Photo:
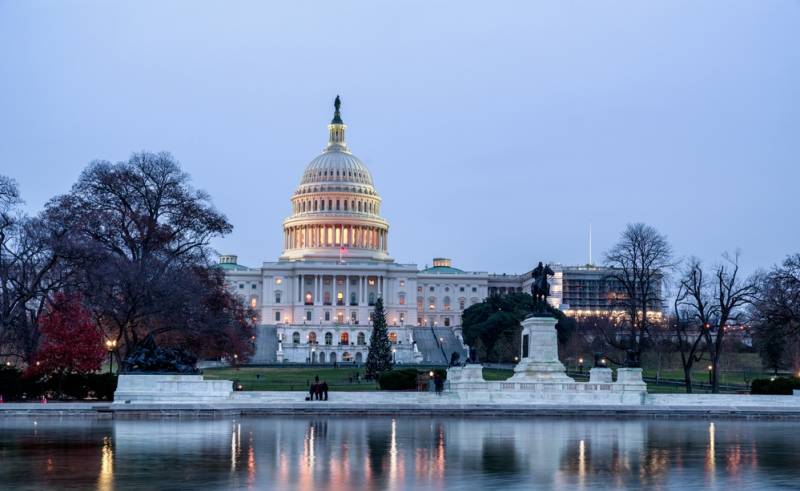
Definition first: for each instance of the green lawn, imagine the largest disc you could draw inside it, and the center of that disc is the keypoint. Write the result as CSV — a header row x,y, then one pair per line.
x,y
345,379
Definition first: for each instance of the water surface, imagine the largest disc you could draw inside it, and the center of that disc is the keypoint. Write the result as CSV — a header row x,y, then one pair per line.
x,y
402,453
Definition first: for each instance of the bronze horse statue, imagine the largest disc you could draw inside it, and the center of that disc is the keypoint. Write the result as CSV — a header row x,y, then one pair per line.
x,y
540,289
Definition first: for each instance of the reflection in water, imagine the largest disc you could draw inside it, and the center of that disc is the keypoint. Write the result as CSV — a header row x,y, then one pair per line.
x,y
105,481
397,453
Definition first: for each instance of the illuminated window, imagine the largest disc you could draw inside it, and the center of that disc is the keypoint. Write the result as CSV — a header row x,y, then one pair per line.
x,y
253,303
339,298
402,299
402,284
402,317
393,337
278,281
447,303
309,299
312,338
432,303
344,338
371,282
420,300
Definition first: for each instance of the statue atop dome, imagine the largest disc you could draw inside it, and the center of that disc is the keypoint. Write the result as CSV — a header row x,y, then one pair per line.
x,y
337,118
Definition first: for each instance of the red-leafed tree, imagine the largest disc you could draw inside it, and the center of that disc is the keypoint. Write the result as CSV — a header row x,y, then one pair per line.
x,y
70,341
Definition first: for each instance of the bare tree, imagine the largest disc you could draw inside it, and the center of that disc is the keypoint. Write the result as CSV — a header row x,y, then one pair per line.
x,y
30,271
733,293
639,263
775,316
139,236
694,311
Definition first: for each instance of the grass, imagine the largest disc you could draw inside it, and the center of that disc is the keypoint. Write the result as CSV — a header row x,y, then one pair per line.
x,y
345,379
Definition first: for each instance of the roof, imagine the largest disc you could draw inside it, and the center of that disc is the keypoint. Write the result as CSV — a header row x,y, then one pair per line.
x,y
230,267
442,270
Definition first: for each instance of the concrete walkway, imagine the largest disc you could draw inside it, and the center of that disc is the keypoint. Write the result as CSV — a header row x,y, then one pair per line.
x,y
416,403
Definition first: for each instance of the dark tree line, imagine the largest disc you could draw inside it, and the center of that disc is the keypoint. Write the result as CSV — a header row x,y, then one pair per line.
x,y
133,239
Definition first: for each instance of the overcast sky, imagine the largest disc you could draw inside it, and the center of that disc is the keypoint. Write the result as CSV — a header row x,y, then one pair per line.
x,y
496,132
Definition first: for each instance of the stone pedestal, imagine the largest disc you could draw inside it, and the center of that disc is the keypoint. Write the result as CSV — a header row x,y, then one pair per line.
x,y
631,377
539,361
143,388
600,375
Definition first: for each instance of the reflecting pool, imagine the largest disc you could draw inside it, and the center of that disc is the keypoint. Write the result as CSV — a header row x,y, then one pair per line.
x,y
372,453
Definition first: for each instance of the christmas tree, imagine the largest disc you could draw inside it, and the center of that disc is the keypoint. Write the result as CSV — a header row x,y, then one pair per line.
x,y
379,358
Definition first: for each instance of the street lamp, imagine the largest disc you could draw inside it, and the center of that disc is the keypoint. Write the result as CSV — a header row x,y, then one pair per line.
x,y
111,345
580,365
710,371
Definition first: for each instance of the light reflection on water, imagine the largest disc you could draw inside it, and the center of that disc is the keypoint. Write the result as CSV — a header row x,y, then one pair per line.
x,y
376,453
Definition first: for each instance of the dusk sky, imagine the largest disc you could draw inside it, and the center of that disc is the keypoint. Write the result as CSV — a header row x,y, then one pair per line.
x,y
496,132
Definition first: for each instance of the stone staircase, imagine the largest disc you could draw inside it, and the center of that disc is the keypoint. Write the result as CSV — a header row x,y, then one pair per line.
x,y
437,345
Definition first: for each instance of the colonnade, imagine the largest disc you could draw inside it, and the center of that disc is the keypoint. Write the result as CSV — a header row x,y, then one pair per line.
x,y
365,284
358,236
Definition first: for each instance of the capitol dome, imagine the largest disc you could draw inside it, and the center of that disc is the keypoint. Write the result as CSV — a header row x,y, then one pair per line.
x,y
336,209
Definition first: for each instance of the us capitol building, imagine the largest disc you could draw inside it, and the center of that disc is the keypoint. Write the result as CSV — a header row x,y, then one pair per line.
x,y
316,301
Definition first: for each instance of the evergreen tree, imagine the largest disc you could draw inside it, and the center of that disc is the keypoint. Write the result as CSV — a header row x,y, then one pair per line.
x,y
379,358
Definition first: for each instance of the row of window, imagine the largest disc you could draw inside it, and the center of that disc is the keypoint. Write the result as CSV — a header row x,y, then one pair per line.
x,y
344,338
319,205
339,317
447,289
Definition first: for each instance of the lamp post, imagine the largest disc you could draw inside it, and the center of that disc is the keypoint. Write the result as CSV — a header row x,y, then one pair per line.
x,y
710,378
111,345
580,365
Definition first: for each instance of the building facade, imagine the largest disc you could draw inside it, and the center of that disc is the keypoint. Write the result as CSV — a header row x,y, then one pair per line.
x,y
315,302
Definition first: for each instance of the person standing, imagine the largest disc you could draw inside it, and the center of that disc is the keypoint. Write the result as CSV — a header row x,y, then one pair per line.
x,y
324,390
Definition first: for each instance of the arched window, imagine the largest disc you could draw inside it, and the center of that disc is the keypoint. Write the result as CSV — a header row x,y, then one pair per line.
x,y
393,337
328,339
359,357
333,358
312,338
322,357
361,340
447,303
344,338
296,337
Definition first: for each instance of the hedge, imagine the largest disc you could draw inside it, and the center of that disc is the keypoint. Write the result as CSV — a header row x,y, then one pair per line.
x,y
779,386
15,386
405,378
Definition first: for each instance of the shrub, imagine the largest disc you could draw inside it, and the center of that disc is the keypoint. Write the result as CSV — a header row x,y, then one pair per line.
x,y
403,379
779,386
15,386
